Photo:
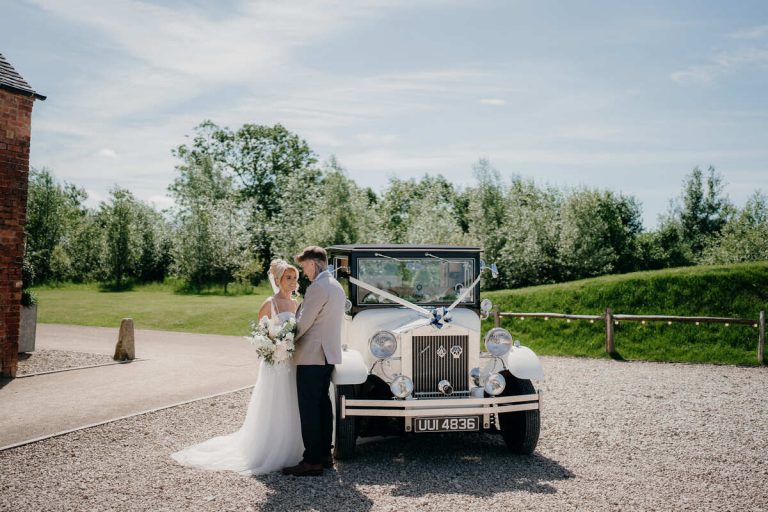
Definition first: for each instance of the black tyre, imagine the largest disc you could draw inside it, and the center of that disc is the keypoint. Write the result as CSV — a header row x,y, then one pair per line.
x,y
520,430
345,429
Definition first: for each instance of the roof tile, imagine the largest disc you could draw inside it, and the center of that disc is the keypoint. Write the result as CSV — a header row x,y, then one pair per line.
x,y
12,80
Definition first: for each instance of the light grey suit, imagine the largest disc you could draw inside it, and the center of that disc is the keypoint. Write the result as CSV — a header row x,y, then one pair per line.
x,y
318,336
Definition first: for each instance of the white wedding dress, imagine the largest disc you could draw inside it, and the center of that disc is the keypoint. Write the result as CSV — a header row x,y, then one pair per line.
x,y
270,437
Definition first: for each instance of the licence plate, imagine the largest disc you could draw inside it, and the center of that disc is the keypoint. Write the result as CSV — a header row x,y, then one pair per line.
x,y
447,424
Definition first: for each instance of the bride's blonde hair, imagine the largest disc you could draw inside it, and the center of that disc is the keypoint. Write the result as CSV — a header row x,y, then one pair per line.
x,y
278,267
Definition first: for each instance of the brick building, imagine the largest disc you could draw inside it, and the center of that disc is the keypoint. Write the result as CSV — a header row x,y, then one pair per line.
x,y
16,99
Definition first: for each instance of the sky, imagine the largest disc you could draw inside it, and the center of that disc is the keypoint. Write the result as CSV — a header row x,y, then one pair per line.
x,y
625,96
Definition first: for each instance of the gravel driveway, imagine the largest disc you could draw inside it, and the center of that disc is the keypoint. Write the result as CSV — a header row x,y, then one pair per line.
x,y
615,436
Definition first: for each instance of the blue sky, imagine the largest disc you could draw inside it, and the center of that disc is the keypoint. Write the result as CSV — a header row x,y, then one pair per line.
x,y
618,95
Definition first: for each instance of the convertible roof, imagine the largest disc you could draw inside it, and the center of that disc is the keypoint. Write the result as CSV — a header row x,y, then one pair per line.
x,y
403,247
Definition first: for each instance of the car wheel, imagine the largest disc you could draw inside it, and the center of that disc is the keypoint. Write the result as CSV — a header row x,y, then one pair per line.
x,y
345,429
520,429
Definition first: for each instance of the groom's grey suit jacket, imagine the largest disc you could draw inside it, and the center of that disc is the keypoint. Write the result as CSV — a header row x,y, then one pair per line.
x,y
318,335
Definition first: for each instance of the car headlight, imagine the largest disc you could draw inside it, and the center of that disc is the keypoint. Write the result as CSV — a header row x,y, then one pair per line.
x,y
382,345
498,341
495,384
401,387
474,375
485,308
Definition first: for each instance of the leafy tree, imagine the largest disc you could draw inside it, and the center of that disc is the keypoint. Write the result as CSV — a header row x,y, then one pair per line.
x,y
343,212
154,244
744,237
87,249
435,220
599,232
212,244
487,213
123,245
53,210
261,162
704,209
531,234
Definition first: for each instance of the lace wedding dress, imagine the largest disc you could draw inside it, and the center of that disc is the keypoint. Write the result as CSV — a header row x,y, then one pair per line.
x,y
270,437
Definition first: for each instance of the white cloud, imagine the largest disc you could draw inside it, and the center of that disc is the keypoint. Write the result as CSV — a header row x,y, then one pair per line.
x,y
751,33
107,153
720,64
493,101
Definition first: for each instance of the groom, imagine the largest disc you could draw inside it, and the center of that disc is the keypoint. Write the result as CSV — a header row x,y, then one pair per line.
x,y
318,348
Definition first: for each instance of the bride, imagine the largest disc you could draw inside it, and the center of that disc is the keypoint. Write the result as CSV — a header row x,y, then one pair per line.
x,y
270,437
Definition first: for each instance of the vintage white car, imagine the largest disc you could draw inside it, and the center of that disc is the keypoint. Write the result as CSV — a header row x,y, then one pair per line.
x,y
412,360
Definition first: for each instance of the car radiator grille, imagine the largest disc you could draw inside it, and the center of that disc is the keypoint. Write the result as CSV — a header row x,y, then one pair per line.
x,y
429,367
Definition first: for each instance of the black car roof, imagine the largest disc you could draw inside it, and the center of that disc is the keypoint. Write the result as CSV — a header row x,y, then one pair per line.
x,y
402,248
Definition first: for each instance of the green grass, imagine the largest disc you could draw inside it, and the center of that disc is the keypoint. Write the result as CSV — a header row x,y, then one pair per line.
x,y
153,306
733,291
739,291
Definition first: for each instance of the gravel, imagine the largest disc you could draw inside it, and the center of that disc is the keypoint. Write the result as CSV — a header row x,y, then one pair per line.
x,y
53,360
615,436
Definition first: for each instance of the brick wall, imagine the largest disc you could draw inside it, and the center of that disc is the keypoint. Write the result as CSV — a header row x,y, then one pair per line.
x,y
15,124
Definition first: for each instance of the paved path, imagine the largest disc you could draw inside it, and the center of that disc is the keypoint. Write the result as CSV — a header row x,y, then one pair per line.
x,y
175,367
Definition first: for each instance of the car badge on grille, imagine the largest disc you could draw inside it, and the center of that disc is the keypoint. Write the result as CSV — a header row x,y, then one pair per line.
x,y
441,351
456,351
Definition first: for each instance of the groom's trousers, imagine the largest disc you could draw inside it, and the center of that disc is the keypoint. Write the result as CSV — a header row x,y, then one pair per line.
x,y
312,383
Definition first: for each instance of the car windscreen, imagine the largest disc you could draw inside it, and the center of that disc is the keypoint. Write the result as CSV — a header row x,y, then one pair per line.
x,y
418,280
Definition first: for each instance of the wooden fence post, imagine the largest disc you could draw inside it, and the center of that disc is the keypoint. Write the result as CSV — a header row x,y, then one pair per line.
x,y
610,347
761,339
496,318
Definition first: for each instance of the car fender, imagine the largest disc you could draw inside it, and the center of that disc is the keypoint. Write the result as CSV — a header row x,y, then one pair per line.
x,y
523,363
352,369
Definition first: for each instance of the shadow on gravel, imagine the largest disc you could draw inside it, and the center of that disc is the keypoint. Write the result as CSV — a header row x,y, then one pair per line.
x,y
460,464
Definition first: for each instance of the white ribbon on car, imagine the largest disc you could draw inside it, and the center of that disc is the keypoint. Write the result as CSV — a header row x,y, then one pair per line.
x,y
437,317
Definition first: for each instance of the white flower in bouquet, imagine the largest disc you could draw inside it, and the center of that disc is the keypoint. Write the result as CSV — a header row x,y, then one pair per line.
x,y
274,342
281,352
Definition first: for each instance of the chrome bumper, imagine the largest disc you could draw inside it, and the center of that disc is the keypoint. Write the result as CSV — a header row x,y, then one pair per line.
x,y
409,409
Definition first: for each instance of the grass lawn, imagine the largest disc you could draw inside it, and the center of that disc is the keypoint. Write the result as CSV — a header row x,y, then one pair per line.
x,y
734,291
154,306
738,291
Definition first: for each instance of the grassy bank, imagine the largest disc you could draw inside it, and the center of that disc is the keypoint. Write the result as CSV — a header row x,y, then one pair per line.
x,y
732,291
154,306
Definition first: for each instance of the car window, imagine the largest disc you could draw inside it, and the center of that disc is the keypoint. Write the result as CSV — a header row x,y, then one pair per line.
x,y
418,280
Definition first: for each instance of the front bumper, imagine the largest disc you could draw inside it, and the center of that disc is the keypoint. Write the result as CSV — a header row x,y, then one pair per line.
x,y
488,408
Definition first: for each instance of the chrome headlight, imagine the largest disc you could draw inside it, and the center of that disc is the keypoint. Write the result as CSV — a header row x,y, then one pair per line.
x,y
498,341
401,387
382,345
495,384
485,308
474,374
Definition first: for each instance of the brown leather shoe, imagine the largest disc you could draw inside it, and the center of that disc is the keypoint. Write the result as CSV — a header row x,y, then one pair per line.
x,y
304,469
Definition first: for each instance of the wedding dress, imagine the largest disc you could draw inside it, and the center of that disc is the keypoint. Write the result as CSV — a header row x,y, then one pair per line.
x,y
270,437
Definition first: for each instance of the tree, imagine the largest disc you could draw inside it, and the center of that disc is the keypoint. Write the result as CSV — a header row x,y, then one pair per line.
x,y
744,237
599,233
212,244
531,233
122,235
343,213
261,162
487,213
53,211
704,211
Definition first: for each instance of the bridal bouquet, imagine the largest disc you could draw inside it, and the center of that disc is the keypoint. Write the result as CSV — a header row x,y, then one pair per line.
x,y
274,343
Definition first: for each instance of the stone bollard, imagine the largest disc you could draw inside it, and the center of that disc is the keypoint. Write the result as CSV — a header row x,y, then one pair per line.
x,y
125,350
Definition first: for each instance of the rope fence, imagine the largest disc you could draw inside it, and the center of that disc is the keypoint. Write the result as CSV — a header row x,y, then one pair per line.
x,y
612,319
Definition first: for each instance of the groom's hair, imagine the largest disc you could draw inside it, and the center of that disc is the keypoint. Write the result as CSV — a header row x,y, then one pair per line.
x,y
316,254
